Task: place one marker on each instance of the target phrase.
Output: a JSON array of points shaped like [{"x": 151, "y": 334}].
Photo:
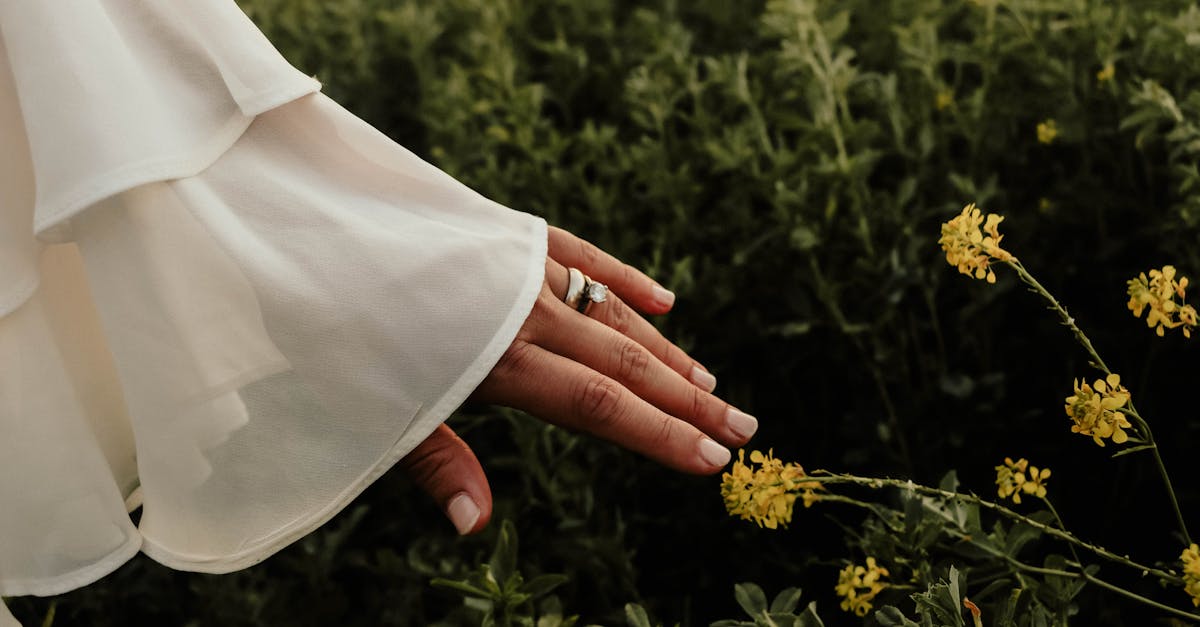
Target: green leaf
[
  {"x": 751, "y": 598},
  {"x": 635, "y": 616},
  {"x": 504, "y": 558},
  {"x": 1020, "y": 535},
  {"x": 786, "y": 601},
  {"x": 1133, "y": 449},
  {"x": 890, "y": 616},
  {"x": 513, "y": 600},
  {"x": 949, "y": 481},
  {"x": 542, "y": 584},
  {"x": 809, "y": 618},
  {"x": 462, "y": 587}
]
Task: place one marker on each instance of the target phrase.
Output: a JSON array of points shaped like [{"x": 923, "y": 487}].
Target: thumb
[{"x": 446, "y": 469}]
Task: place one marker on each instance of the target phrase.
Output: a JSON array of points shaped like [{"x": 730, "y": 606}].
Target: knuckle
[
  {"x": 664, "y": 434},
  {"x": 599, "y": 399},
  {"x": 546, "y": 311},
  {"x": 699, "y": 405},
  {"x": 620, "y": 317},
  {"x": 633, "y": 362},
  {"x": 426, "y": 463},
  {"x": 589, "y": 254},
  {"x": 517, "y": 361}
]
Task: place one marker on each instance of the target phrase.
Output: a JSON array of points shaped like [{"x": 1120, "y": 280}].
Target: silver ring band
[
  {"x": 575, "y": 284},
  {"x": 582, "y": 291}
]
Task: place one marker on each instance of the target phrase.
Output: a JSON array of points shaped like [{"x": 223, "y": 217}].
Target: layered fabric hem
[
  {"x": 50, "y": 221},
  {"x": 79, "y": 578},
  {"x": 417, "y": 432},
  {"x": 272, "y": 334},
  {"x": 223, "y": 298}
]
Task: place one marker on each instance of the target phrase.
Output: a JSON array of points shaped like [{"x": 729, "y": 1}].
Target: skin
[{"x": 610, "y": 374}]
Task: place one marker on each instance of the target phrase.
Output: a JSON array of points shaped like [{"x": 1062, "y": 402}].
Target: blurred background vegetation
[{"x": 784, "y": 166}]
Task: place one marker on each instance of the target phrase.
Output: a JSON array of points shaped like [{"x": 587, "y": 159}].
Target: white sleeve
[{"x": 222, "y": 296}]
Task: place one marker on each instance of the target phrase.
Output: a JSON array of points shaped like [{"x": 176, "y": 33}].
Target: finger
[
  {"x": 638, "y": 289},
  {"x": 446, "y": 469},
  {"x": 614, "y": 313},
  {"x": 631, "y": 364},
  {"x": 571, "y": 395}
]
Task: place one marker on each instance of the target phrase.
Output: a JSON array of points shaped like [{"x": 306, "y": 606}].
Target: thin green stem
[
  {"x": 1143, "y": 426},
  {"x": 1066, "y": 536},
  {"x": 1083, "y": 574},
  {"x": 1139, "y": 598},
  {"x": 1067, "y": 320},
  {"x": 1061, "y": 525}
]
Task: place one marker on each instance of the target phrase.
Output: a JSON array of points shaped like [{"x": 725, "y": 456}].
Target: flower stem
[
  {"x": 1062, "y": 526},
  {"x": 1139, "y": 598},
  {"x": 1084, "y": 574},
  {"x": 875, "y": 483},
  {"x": 1143, "y": 426}
]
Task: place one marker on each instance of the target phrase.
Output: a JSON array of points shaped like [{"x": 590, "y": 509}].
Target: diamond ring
[{"x": 582, "y": 291}]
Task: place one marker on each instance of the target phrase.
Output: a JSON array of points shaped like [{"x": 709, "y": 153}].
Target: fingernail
[
  {"x": 703, "y": 379},
  {"x": 663, "y": 296},
  {"x": 714, "y": 453},
  {"x": 740, "y": 423},
  {"x": 463, "y": 512}
]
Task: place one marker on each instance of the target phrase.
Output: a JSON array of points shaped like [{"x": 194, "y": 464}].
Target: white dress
[{"x": 222, "y": 297}]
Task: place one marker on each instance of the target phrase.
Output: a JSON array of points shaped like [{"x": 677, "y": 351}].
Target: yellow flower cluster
[
  {"x": 1012, "y": 480},
  {"x": 766, "y": 495},
  {"x": 1047, "y": 131},
  {"x": 858, "y": 586},
  {"x": 1191, "y": 572},
  {"x": 1157, "y": 293},
  {"x": 971, "y": 249},
  {"x": 1106, "y": 73},
  {"x": 1094, "y": 408}
]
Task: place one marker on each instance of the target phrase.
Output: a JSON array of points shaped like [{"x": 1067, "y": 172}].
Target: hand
[{"x": 609, "y": 373}]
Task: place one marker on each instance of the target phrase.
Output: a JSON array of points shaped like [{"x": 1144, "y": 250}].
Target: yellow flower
[
  {"x": 970, "y": 249},
  {"x": 1191, "y": 572},
  {"x": 944, "y": 100},
  {"x": 1012, "y": 481},
  {"x": 1157, "y": 293},
  {"x": 858, "y": 586},
  {"x": 1047, "y": 131},
  {"x": 1106, "y": 73},
  {"x": 766, "y": 495},
  {"x": 1094, "y": 408}
]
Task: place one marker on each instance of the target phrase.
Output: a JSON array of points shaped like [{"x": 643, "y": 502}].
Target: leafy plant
[{"x": 502, "y": 595}]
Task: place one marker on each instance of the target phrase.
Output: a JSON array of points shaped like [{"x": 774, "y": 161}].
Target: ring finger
[
  {"x": 615, "y": 314},
  {"x": 624, "y": 359}
]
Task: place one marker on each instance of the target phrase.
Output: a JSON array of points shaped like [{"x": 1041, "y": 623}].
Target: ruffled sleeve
[{"x": 222, "y": 297}]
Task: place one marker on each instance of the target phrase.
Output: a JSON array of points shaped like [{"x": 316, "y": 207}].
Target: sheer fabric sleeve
[{"x": 222, "y": 296}]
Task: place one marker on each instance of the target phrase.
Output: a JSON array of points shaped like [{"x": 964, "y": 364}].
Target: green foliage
[
  {"x": 783, "y": 166},
  {"x": 780, "y": 613},
  {"x": 503, "y": 597}
]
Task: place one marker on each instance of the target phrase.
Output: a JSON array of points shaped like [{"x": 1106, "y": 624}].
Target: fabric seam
[
  {"x": 89, "y": 574},
  {"x": 174, "y": 167}
]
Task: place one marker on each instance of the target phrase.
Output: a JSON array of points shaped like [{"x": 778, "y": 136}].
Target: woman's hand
[{"x": 609, "y": 373}]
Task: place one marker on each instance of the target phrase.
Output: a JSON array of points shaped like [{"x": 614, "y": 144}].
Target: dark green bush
[{"x": 784, "y": 166}]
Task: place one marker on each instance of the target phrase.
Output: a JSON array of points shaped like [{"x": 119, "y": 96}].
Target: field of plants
[{"x": 964, "y": 420}]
